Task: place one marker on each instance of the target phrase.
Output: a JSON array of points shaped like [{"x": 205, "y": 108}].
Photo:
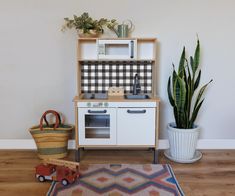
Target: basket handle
[
  {"x": 53, "y": 112},
  {"x": 56, "y": 114}
]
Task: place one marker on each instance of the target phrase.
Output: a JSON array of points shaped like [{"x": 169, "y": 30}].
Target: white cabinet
[
  {"x": 136, "y": 126},
  {"x": 117, "y": 126},
  {"x": 97, "y": 126}
]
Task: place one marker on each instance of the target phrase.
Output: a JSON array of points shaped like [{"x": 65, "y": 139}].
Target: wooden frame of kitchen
[{"x": 116, "y": 122}]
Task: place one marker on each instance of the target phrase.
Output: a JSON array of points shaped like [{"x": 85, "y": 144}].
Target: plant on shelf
[
  {"x": 181, "y": 88},
  {"x": 87, "y": 26}
]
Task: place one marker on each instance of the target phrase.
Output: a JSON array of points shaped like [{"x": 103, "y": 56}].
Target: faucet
[{"x": 136, "y": 85}]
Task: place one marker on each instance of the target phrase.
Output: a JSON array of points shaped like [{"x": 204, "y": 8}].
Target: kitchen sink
[
  {"x": 95, "y": 96},
  {"x": 141, "y": 96}
]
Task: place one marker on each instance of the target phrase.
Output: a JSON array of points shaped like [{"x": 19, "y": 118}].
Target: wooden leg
[
  {"x": 78, "y": 155},
  {"x": 155, "y": 156}
]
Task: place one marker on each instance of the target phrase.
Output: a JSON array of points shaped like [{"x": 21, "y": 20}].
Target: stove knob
[
  {"x": 106, "y": 104},
  {"x": 88, "y": 104}
]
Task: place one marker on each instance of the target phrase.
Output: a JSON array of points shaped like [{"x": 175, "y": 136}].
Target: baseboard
[
  {"x": 218, "y": 144},
  {"x": 163, "y": 144}
]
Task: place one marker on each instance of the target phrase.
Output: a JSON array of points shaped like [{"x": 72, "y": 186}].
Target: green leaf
[
  {"x": 187, "y": 86},
  {"x": 174, "y": 75},
  {"x": 181, "y": 63},
  {"x": 179, "y": 92},
  {"x": 184, "y": 77},
  {"x": 176, "y": 115},
  {"x": 194, "y": 114},
  {"x": 183, "y": 120},
  {"x": 196, "y": 58},
  {"x": 201, "y": 91},
  {"x": 191, "y": 62},
  {"x": 188, "y": 69},
  {"x": 197, "y": 80},
  {"x": 169, "y": 92}
]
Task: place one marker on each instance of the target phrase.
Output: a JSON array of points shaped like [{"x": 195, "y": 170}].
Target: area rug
[{"x": 121, "y": 180}]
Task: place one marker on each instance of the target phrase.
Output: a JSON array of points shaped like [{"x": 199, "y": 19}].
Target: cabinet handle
[
  {"x": 97, "y": 112},
  {"x": 136, "y": 111}
]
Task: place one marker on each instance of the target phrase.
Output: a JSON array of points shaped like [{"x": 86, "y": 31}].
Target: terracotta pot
[{"x": 92, "y": 33}]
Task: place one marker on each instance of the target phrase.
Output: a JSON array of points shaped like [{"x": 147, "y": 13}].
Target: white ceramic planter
[{"x": 183, "y": 142}]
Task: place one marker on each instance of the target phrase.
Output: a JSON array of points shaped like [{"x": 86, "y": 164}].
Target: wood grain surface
[{"x": 213, "y": 175}]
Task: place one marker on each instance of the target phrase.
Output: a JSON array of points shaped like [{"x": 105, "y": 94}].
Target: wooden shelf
[
  {"x": 115, "y": 60},
  {"x": 146, "y": 49},
  {"x": 87, "y": 39},
  {"x": 82, "y": 60},
  {"x": 149, "y": 39}
]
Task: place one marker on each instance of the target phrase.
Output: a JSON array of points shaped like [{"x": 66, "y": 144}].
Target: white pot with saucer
[{"x": 183, "y": 143}]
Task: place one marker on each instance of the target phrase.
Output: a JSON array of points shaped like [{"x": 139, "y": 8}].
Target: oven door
[{"x": 97, "y": 126}]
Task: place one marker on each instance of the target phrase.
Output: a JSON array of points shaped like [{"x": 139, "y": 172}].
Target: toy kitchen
[{"x": 116, "y": 106}]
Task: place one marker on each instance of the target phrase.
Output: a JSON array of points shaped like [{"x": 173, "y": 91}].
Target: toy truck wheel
[
  {"x": 41, "y": 178},
  {"x": 64, "y": 182}
]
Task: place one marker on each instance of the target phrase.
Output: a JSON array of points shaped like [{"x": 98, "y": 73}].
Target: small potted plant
[
  {"x": 87, "y": 26},
  {"x": 182, "y": 85}
]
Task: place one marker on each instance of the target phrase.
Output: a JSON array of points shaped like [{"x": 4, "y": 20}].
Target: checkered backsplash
[{"x": 98, "y": 76}]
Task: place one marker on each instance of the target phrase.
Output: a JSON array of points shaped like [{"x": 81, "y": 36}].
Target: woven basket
[{"x": 51, "y": 140}]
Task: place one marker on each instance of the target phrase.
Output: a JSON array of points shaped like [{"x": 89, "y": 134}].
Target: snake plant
[{"x": 182, "y": 86}]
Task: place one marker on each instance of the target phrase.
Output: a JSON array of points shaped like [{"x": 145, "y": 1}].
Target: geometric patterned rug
[{"x": 121, "y": 180}]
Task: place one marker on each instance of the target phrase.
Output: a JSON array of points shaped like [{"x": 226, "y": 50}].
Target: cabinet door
[
  {"x": 97, "y": 126},
  {"x": 136, "y": 126}
]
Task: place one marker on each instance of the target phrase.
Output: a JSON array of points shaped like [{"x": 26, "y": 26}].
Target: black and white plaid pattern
[{"x": 98, "y": 76}]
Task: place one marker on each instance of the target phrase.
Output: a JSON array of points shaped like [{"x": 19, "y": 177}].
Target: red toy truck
[{"x": 65, "y": 172}]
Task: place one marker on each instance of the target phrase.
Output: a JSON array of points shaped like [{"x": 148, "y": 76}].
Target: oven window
[
  {"x": 116, "y": 49},
  {"x": 97, "y": 126}
]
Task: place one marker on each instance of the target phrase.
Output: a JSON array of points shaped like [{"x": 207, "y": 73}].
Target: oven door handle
[{"x": 97, "y": 111}]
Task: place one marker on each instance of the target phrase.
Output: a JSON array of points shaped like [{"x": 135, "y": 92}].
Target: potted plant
[
  {"x": 87, "y": 26},
  {"x": 182, "y": 85}
]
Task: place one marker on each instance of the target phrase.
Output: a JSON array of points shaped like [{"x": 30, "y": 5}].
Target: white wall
[{"x": 38, "y": 62}]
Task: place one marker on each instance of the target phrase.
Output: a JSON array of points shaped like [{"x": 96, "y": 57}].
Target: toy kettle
[{"x": 124, "y": 29}]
